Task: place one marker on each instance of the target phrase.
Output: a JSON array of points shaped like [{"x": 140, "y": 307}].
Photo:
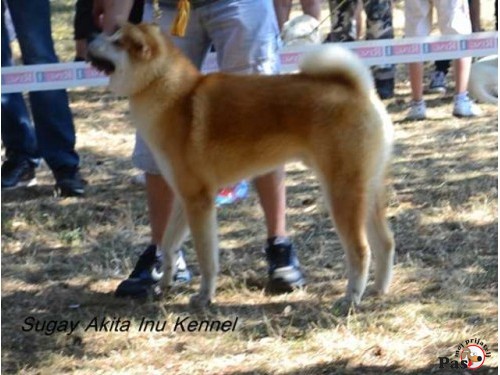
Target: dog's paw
[
  {"x": 344, "y": 306},
  {"x": 199, "y": 301}
]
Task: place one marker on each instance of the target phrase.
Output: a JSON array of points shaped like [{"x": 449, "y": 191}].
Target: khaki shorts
[{"x": 452, "y": 17}]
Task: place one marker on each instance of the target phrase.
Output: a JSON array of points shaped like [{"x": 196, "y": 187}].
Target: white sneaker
[
  {"x": 463, "y": 106},
  {"x": 417, "y": 110}
]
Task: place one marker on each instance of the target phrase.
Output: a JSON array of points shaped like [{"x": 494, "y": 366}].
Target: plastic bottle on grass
[{"x": 232, "y": 194}]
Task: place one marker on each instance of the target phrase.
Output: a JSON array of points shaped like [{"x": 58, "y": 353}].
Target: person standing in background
[
  {"x": 378, "y": 26},
  {"x": 284, "y": 7},
  {"x": 453, "y": 18},
  {"x": 53, "y": 135}
]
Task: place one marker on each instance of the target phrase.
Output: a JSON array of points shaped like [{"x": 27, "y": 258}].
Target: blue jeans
[{"x": 53, "y": 136}]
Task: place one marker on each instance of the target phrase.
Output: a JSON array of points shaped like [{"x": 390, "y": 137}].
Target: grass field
[{"x": 63, "y": 258}]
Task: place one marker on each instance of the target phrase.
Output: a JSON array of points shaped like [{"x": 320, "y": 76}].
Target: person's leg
[
  {"x": 418, "y": 18},
  {"x": 437, "y": 83},
  {"x": 18, "y": 135},
  {"x": 272, "y": 194},
  {"x": 342, "y": 14},
  {"x": 461, "y": 70},
  {"x": 245, "y": 35},
  {"x": 475, "y": 15},
  {"x": 159, "y": 197},
  {"x": 454, "y": 18},
  {"x": 416, "y": 71},
  {"x": 312, "y": 8},
  {"x": 379, "y": 26},
  {"x": 283, "y": 8},
  {"x": 50, "y": 109}
]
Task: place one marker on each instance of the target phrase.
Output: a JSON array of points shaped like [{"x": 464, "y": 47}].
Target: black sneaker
[
  {"x": 69, "y": 183},
  {"x": 144, "y": 279},
  {"x": 438, "y": 82},
  {"x": 17, "y": 172},
  {"x": 385, "y": 88},
  {"x": 284, "y": 268}
]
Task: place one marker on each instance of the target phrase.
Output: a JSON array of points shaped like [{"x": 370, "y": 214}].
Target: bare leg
[
  {"x": 312, "y": 8},
  {"x": 272, "y": 194},
  {"x": 416, "y": 80},
  {"x": 160, "y": 198},
  {"x": 462, "y": 73},
  {"x": 282, "y": 8}
]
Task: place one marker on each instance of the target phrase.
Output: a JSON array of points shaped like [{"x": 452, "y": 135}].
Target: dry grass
[{"x": 62, "y": 259}]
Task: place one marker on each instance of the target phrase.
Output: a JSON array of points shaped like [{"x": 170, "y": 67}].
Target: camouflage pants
[{"x": 378, "y": 26}]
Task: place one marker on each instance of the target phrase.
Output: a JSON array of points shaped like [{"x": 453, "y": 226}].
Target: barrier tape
[{"x": 373, "y": 52}]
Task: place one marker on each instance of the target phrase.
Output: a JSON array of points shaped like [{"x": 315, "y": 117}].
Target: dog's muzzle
[{"x": 94, "y": 56}]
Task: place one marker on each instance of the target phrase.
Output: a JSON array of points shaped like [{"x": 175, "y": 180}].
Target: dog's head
[
  {"x": 301, "y": 30},
  {"x": 132, "y": 56}
]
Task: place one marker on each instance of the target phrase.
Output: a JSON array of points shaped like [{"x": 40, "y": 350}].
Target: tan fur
[{"x": 209, "y": 131}]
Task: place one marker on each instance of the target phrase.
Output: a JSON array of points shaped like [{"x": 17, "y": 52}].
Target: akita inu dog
[{"x": 207, "y": 131}]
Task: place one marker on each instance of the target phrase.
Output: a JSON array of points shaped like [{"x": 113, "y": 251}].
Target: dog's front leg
[
  {"x": 202, "y": 218},
  {"x": 173, "y": 237}
]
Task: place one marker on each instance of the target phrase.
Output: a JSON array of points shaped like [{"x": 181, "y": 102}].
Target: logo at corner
[{"x": 469, "y": 355}]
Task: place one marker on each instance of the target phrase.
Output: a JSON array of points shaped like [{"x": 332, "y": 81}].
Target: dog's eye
[{"x": 117, "y": 43}]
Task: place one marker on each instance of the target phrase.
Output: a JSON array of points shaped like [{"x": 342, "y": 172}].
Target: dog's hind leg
[
  {"x": 348, "y": 205},
  {"x": 202, "y": 218},
  {"x": 173, "y": 237},
  {"x": 381, "y": 240}
]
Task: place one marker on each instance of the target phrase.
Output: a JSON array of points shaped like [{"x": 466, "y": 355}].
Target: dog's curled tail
[{"x": 329, "y": 59}]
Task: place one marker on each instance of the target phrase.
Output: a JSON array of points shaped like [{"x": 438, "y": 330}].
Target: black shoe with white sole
[
  {"x": 284, "y": 268},
  {"x": 17, "y": 172},
  {"x": 145, "y": 278}
]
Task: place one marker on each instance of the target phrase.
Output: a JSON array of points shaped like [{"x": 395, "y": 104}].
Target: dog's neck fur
[
  {"x": 170, "y": 83},
  {"x": 162, "y": 86}
]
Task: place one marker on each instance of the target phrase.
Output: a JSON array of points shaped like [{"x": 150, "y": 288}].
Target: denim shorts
[{"x": 244, "y": 34}]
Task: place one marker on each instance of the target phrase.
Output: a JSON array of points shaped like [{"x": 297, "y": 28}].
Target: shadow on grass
[
  {"x": 342, "y": 368},
  {"x": 97, "y": 243}
]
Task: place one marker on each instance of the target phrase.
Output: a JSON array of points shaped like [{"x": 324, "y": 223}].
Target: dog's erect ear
[{"x": 137, "y": 41}]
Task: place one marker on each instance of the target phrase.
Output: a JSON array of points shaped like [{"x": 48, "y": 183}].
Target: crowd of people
[{"x": 245, "y": 37}]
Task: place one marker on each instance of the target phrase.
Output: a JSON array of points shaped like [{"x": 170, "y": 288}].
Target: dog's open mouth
[{"x": 101, "y": 64}]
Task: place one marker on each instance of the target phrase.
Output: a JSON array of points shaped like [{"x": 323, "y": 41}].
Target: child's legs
[
  {"x": 418, "y": 22},
  {"x": 454, "y": 18},
  {"x": 416, "y": 80},
  {"x": 461, "y": 74}
]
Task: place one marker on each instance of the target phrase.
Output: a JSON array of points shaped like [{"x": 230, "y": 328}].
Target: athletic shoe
[
  {"x": 144, "y": 279},
  {"x": 463, "y": 106},
  {"x": 385, "y": 88},
  {"x": 17, "y": 172},
  {"x": 417, "y": 111},
  {"x": 284, "y": 268},
  {"x": 438, "y": 82},
  {"x": 69, "y": 183}
]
